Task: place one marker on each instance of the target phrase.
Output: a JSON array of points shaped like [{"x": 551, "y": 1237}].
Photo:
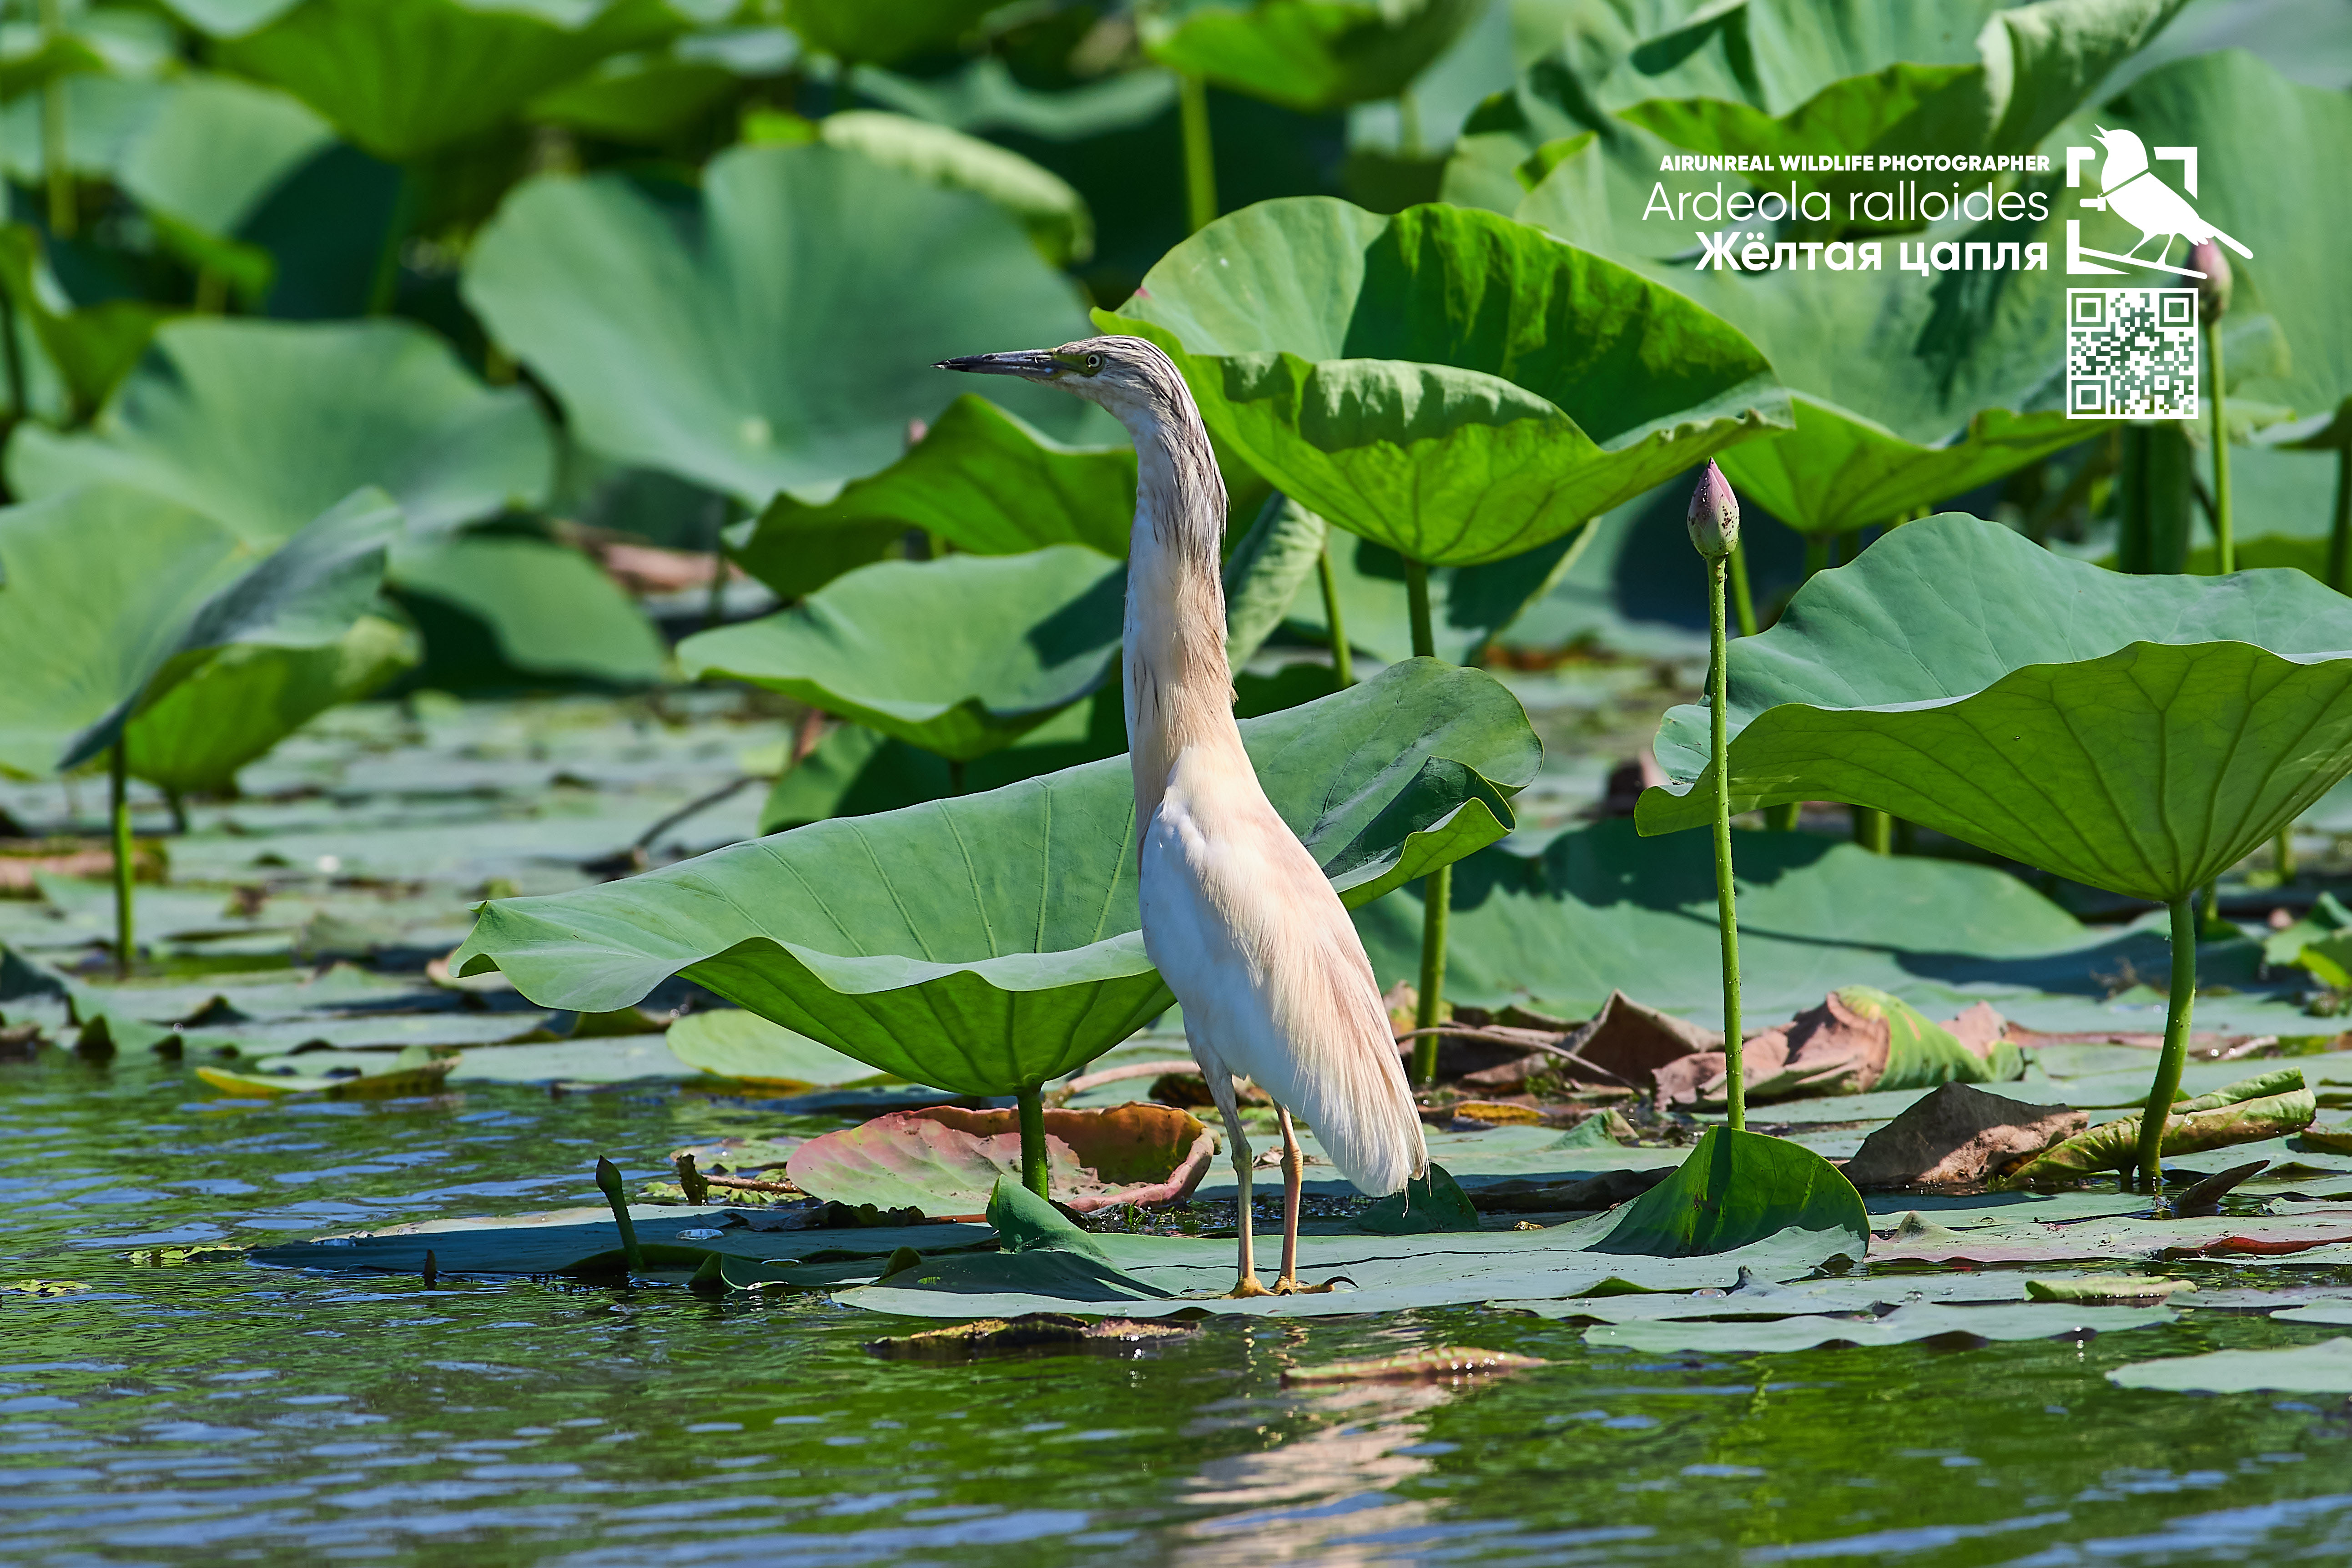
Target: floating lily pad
[
  {"x": 1454, "y": 385},
  {"x": 990, "y": 942},
  {"x": 2323, "y": 1368},
  {"x": 1904, "y": 1325},
  {"x": 735, "y": 1044},
  {"x": 416, "y": 1072},
  {"x": 1005, "y": 642},
  {"x": 945, "y": 1160},
  {"x": 686, "y": 341},
  {"x": 2139, "y": 734}
]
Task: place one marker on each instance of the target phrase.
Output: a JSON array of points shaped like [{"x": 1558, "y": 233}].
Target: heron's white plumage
[
  {"x": 1273, "y": 978},
  {"x": 1237, "y": 914}
]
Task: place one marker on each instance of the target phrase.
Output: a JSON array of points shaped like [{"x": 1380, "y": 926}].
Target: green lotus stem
[
  {"x": 608, "y": 1181},
  {"x": 2282, "y": 854},
  {"x": 2213, "y": 923},
  {"x": 118, "y": 781},
  {"x": 1783, "y": 817},
  {"x": 1817, "y": 553},
  {"x": 1199, "y": 154},
  {"x": 1343, "y": 664},
  {"x": 1408, "y": 124},
  {"x": 2339, "y": 534},
  {"x": 53, "y": 161},
  {"x": 12, "y": 353},
  {"x": 383, "y": 288},
  {"x": 1874, "y": 830},
  {"x": 2225, "y": 549},
  {"x": 955, "y": 775},
  {"x": 1034, "y": 1170},
  {"x": 1436, "y": 897},
  {"x": 1437, "y": 888},
  {"x": 1742, "y": 602},
  {"x": 2160, "y": 1094},
  {"x": 1719, "y": 683}
]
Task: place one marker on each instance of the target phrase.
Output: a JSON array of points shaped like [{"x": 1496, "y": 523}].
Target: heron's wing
[{"x": 1269, "y": 969}]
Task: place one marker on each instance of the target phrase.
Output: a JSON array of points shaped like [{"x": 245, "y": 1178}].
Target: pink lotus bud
[
  {"x": 2214, "y": 291},
  {"x": 1714, "y": 514}
]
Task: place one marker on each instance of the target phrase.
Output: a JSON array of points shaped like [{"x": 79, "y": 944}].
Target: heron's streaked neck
[{"x": 1179, "y": 686}]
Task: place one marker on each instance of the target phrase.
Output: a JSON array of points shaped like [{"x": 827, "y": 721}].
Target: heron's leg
[
  {"x": 1220, "y": 1087},
  {"x": 1294, "y": 1163}
]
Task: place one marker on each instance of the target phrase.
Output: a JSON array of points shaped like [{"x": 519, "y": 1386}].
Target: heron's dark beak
[{"x": 1030, "y": 365}]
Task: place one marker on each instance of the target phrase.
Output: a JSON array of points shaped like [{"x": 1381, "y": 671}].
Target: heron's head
[{"x": 1125, "y": 376}]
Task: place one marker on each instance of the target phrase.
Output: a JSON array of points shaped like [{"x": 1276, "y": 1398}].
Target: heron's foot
[
  {"x": 1246, "y": 1287},
  {"x": 1292, "y": 1284}
]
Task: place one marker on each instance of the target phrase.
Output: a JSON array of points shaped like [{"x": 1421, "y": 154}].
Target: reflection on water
[
  {"x": 1318, "y": 1495},
  {"x": 215, "y": 1412}
]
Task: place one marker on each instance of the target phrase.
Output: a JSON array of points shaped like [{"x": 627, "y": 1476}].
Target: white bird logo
[{"x": 2134, "y": 192}]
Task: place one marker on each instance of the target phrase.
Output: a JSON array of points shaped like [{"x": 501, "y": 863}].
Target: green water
[{"x": 221, "y": 1413}]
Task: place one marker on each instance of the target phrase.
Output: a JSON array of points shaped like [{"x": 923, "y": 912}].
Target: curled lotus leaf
[
  {"x": 1313, "y": 55},
  {"x": 2137, "y": 733},
  {"x": 945, "y": 1160},
  {"x": 990, "y": 942},
  {"x": 1452, "y": 385}
]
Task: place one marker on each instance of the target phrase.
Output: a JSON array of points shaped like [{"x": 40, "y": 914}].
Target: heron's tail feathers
[{"x": 1351, "y": 1086}]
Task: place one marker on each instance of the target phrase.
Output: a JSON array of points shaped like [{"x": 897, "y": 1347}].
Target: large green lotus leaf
[
  {"x": 1839, "y": 470},
  {"x": 779, "y": 334},
  {"x": 543, "y": 609},
  {"x": 2238, "y": 113},
  {"x": 113, "y": 598},
  {"x": 217, "y": 148},
  {"x": 882, "y": 32},
  {"x": 1313, "y": 55},
  {"x": 1045, "y": 205},
  {"x": 988, "y": 942},
  {"x": 855, "y": 771},
  {"x": 660, "y": 96},
  {"x": 1911, "y": 390},
  {"x": 983, "y": 480},
  {"x": 961, "y": 655},
  {"x": 263, "y": 424},
  {"x": 1737, "y": 1189},
  {"x": 1457, "y": 386},
  {"x": 245, "y": 698},
  {"x": 1603, "y": 910},
  {"x": 2140, "y": 734},
  {"x": 984, "y": 95},
  {"x": 2035, "y": 65},
  {"x": 91, "y": 347},
  {"x": 404, "y": 78},
  {"x": 1467, "y": 604}
]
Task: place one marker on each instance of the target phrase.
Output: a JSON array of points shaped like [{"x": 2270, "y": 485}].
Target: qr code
[{"x": 2131, "y": 353}]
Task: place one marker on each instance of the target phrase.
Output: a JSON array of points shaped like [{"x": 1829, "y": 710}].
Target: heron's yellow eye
[{"x": 1094, "y": 364}]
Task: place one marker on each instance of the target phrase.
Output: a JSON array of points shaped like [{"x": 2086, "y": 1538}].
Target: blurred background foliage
[{"x": 629, "y": 305}]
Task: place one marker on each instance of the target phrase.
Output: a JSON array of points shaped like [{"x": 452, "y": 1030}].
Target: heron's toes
[
  {"x": 1292, "y": 1284},
  {"x": 1246, "y": 1287}
]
